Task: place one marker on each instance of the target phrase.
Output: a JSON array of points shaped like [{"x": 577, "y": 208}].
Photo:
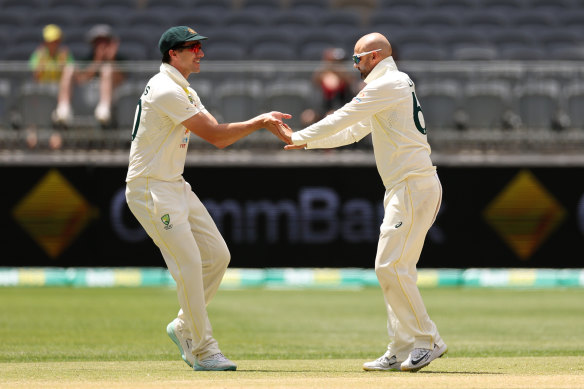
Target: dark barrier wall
[{"x": 298, "y": 217}]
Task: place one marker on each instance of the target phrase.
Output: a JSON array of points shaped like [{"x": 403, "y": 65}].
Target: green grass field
[{"x": 85, "y": 338}]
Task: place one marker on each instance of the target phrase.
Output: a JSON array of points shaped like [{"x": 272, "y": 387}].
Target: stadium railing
[{"x": 469, "y": 106}]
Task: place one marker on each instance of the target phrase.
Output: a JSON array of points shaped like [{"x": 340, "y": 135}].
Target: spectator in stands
[
  {"x": 334, "y": 82},
  {"x": 101, "y": 69},
  {"x": 49, "y": 59}
]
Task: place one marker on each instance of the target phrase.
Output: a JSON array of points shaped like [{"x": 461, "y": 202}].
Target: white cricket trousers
[
  {"x": 410, "y": 210},
  {"x": 194, "y": 251}
]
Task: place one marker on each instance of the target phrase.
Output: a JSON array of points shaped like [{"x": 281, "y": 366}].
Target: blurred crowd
[{"x": 52, "y": 62}]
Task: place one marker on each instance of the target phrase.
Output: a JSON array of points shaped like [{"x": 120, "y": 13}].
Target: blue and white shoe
[
  {"x": 421, "y": 357},
  {"x": 216, "y": 362},
  {"x": 184, "y": 345}
]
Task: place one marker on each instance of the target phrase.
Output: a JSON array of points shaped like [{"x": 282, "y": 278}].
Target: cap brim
[{"x": 196, "y": 38}]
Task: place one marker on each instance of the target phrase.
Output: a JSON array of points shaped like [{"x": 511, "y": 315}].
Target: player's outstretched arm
[
  {"x": 222, "y": 135},
  {"x": 290, "y": 145},
  {"x": 294, "y": 147}
]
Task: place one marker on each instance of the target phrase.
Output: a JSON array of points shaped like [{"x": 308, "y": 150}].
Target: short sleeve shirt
[{"x": 159, "y": 139}]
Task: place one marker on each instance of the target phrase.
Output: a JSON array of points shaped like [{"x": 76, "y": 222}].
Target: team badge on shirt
[{"x": 166, "y": 221}]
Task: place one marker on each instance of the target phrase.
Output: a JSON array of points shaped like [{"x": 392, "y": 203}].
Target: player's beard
[{"x": 364, "y": 74}]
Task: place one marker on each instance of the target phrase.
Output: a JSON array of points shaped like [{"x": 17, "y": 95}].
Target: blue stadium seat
[
  {"x": 267, "y": 6},
  {"x": 124, "y": 6},
  {"x": 573, "y": 18},
  {"x": 551, "y": 6},
  {"x": 59, "y": 17},
  {"x": 273, "y": 51},
  {"x": 37, "y": 102},
  {"x": 239, "y": 100},
  {"x": 390, "y": 20},
  {"x": 439, "y": 101},
  {"x": 511, "y": 37},
  {"x": 225, "y": 51},
  {"x": 70, "y": 4},
  {"x": 111, "y": 16},
  {"x": 5, "y": 95},
  {"x": 410, "y": 6},
  {"x": 567, "y": 53},
  {"x": 312, "y": 5},
  {"x": 474, "y": 52},
  {"x": 485, "y": 103},
  {"x": 574, "y": 94},
  {"x": 534, "y": 19},
  {"x": 294, "y": 19},
  {"x": 290, "y": 96},
  {"x": 538, "y": 103},
  {"x": 125, "y": 101},
  {"x": 201, "y": 21},
  {"x": 147, "y": 18},
  {"x": 32, "y": 35},
  {"x": 558, "y": 38},
  {"x": 520, "y": 52},
  {"x": 420, "y": 52},
  {"x": 135, "y": 35},
  {"x": 176, "y": 5},
  {"x": 14, "y": 19},
  {"x": 19, "y": 5},
  {"x": 133, "y": 51},
  {"x": 80, "y": 50},
  {"x": 249, "y": 19},
  {"x": 512, "y": 6},
  {"x": 479, "y": 19},
  {"x": 226, "y": 44},
  {"x": 436, "y": 19},
  {"x": 217, "y": 6},
  {"x": 312, "y": 42},
  {"x": 455, "y": 7},
  {"x": 20, "y": 52},
  {"x": 339, "y": 17},
  {"x": 461, "y": 36},
  {"x": 276, "y": 35}
]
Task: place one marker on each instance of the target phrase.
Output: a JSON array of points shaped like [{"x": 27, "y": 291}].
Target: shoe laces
[
  {"x": 218, "y": 357},
  {"x": 418, "y": 353},
  {"x": 387, "y": 357}
]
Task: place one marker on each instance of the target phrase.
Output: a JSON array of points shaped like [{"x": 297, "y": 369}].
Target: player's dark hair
[{"x": 166, "y": 57}]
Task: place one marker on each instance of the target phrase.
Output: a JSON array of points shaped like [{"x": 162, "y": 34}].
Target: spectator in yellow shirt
[{"x": 49, "y": 59}]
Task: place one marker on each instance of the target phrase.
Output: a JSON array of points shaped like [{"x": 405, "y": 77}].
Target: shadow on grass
[{"x": 370, "y": 372}]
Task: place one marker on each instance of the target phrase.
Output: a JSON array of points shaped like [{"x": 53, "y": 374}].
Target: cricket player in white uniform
[
  {"x": 388, "y": 108},
  {"x": 173, "y": 216}
]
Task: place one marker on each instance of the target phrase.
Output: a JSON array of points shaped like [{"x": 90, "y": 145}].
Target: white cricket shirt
[
  {"x": 387, "y": 108},
  {"x": 160, "y": 141}
]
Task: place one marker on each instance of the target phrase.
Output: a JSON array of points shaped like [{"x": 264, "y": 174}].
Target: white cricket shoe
[
  {"x": 184, "y": 345},
  {"x": 421, "y": 357},
  {"x": 386, "y": 362},
  {"x": 216, "y": 362}
]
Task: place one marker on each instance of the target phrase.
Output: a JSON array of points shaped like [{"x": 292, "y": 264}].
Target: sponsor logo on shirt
[
  {"x": 359, "y": 97},
  {"x": 185, "y": 140}
]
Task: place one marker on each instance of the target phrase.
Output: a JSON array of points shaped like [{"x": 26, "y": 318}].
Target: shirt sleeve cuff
[{"x": 297, "y": 140}]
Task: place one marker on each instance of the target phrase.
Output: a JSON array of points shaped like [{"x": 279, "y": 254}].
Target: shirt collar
[
  {"x": 386, "y": 65},
  {"x": 173, "y": 73}
]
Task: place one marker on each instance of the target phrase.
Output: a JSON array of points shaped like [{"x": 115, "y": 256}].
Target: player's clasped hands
[{"x": 272, "y": 121}]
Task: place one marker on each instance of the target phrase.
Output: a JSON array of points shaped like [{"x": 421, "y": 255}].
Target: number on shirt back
[
  {"x": 137, "y": 118},
  {"x": 138, "y": 113},
  {"x": 418, "y": 115}
]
